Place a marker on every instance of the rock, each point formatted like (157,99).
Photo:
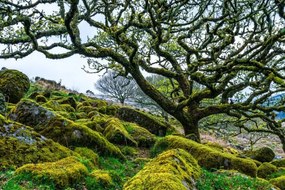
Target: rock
(266,169)
(62,173)
(60,129)
(207,157)
(172,170)
(264,154)
(115,132)
(142,119)
(141,135)
(278,182)
(279,163)
(3,107)
(102,177)
(13,84)
(20,144)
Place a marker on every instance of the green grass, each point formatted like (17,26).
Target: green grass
(9,181)
(230,181)
(119,170)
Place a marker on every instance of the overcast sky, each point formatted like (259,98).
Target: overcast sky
(67,70)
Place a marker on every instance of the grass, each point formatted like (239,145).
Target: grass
(230,181)
(8,181)
(120,171)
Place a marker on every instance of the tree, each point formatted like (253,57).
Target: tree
(117,87)
(225,46)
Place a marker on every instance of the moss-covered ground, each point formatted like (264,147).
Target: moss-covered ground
(54,139)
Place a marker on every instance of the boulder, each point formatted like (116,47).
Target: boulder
(207,157)
(13,84)
(3,107)
(142,119)
(264,154)
(20,144)
(62,173)
(172,170)
(60,129)
(266,169)
(115,132)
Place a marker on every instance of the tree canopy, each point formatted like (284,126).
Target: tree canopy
(227,47)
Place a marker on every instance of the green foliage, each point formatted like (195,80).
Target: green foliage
(227,181)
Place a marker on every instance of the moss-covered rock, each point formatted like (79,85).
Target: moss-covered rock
(86,109)
(172,170)
(102,177)
(41,99)
(142,119)
(70,101)
(56,106)
(207,157)
(115,132)
(109,110)
(60,129)
(3,107)
(264,154)
(279,163)
(20,144)
(279,182)
(266,169)
(141,135)
(13,84)
(62,173)
(90,124)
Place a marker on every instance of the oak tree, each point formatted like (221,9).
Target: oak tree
(116,87)
(225,46)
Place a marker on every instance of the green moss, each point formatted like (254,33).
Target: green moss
(264,154)
(151,123)
(102,177)
(141,135)
(266,169)
(279,182)
(109,110)
(81,115)
(279,163)
(129,151)
(60,129)
(70,101)
(207,157)
(13,84)
(41,99)
(115,132)
(62,173)
(88,154)
(86,109)
(90,124)
(20,144)
(173,169)
(56,106)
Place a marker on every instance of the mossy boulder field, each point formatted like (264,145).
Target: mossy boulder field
(52,138)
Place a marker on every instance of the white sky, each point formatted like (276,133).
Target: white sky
(67,70)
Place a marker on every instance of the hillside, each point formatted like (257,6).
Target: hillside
(52,138)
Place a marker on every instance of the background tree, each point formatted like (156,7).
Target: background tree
(116,87)
(225,46)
